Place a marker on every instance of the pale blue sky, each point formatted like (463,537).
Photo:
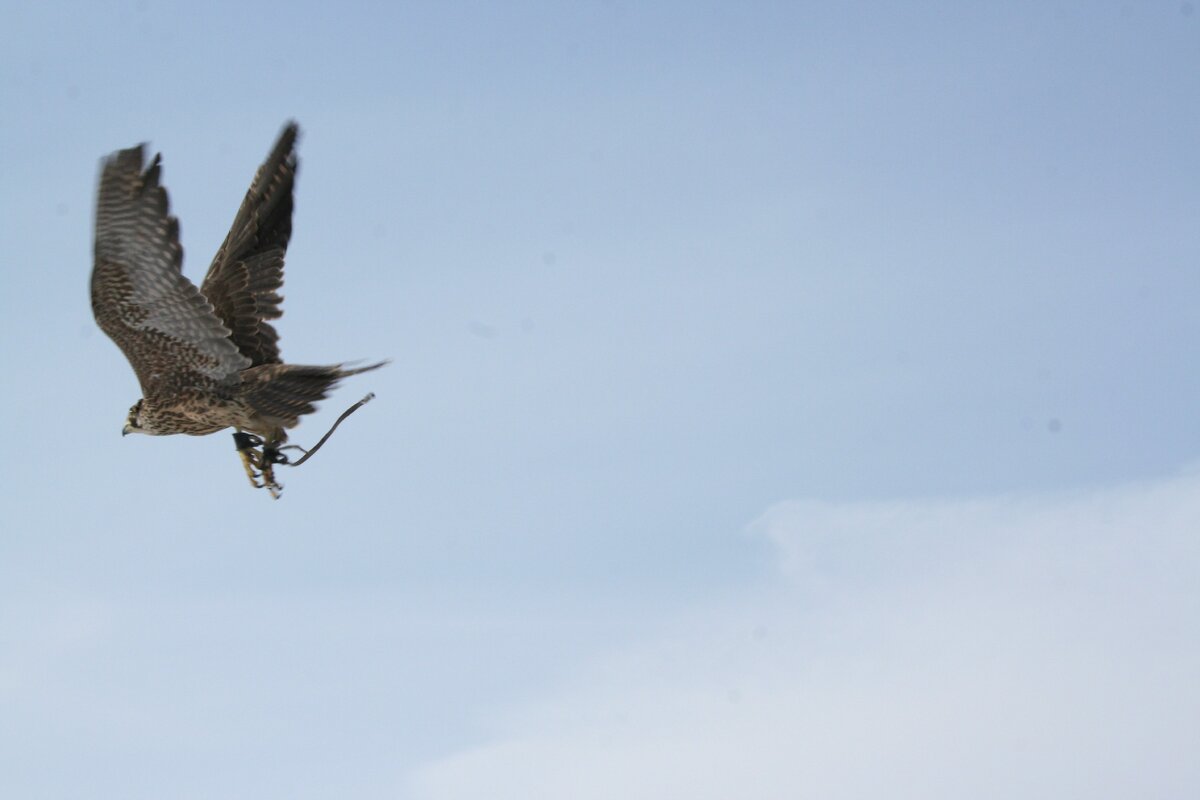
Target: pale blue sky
(645,272)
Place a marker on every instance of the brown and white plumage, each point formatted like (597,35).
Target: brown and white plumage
(246,275)
(206,358)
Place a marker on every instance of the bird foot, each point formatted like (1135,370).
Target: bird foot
(269,482)
(267,459)
(246,444)
(259,463)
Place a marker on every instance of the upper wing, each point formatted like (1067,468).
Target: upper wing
(140,297)
(246,275)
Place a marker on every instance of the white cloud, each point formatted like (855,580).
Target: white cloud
(1013,647)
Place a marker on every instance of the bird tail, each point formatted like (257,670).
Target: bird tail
(282,393)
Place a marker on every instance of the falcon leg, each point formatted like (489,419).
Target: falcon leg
(246,444)
(269,457)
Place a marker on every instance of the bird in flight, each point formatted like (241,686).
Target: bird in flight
(208,358)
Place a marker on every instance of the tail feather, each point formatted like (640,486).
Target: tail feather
(283,393)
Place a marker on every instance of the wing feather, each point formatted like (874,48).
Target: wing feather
(246,276)
(140,298)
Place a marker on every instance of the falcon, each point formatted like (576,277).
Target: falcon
(207,358)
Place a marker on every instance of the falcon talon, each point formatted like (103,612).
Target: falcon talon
(207,358)
(249,463)
(272,486)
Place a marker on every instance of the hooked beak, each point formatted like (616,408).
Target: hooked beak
(125,431)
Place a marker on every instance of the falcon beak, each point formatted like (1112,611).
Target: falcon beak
(125,431)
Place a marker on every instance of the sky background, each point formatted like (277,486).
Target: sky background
(787,399)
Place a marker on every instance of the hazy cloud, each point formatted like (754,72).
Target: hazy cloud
(1008,647)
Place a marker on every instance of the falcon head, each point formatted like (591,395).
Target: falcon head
(133,422)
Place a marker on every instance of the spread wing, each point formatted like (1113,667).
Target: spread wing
(140,298)
(246,275)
